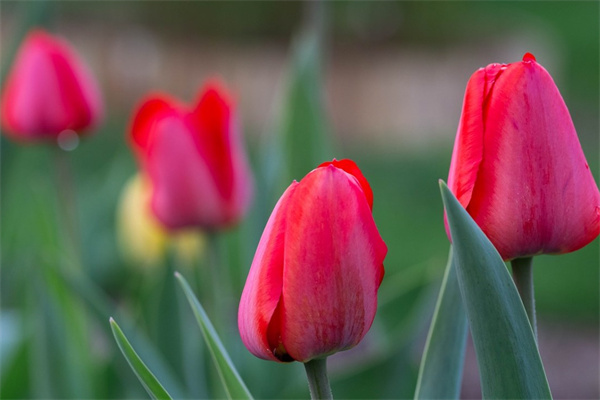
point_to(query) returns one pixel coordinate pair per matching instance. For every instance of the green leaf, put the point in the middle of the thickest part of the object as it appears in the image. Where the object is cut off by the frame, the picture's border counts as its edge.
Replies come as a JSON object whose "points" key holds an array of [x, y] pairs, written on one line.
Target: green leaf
{"points": [[232, 382], [300, 136], [146, 377], [304, 126], [507, 354], [443, 358]]}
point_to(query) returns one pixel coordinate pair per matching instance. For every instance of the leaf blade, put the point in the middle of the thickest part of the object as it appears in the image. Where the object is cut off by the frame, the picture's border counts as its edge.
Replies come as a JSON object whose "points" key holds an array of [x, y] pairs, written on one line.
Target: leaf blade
{"points": [[232, 382], [146, 377], [441, 368], [507, 355], [304, 121]]}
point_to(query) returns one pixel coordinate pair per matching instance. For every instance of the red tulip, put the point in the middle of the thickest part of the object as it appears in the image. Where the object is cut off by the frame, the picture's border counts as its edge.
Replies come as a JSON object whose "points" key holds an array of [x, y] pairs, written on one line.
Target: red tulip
{"points": [[48, 91], [312, 287], [518, 167], [194, 158]]}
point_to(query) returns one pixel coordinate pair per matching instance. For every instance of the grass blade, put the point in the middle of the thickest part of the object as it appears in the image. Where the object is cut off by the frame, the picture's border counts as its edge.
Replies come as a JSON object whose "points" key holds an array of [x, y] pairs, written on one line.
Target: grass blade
{"points": [[507, 354], [443, 358], [232, 382], [146, 377]]}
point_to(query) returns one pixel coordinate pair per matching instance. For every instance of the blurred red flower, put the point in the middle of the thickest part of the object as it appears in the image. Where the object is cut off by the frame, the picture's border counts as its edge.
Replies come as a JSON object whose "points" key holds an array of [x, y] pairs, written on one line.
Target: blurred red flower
{"points": [[49, 90], [194, 158]]}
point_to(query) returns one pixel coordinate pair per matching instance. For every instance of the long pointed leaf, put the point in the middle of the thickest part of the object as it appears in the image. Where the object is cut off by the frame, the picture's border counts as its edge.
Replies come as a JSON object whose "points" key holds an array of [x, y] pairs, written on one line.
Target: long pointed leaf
{"points": [[507, 354], [304, 124], [300, 134], [443, 358], [232, 382], [146, 377]]}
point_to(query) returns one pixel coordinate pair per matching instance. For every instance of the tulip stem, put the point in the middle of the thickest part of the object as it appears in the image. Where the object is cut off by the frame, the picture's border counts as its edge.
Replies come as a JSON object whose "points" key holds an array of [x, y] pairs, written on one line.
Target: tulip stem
{"points": [[318, 382], [67, 207], [219, 281], [522, 269]]}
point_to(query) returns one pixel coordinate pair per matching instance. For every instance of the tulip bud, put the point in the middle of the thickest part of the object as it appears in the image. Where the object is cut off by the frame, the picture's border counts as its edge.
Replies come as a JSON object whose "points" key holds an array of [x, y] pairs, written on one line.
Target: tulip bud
{"points": [[517, 165], [48, 91], [194, 158], [312, 287]]}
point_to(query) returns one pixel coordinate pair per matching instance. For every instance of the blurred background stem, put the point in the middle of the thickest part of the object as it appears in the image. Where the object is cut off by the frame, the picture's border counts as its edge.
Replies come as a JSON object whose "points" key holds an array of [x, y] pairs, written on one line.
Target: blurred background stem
{"points": [[67, 208], [522, 269], [215, 294], [71, 322], [221, 306]]}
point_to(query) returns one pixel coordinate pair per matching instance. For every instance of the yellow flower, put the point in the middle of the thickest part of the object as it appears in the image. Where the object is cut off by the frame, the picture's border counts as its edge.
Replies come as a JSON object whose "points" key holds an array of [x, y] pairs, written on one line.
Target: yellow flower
{"points": [[142, 239]]}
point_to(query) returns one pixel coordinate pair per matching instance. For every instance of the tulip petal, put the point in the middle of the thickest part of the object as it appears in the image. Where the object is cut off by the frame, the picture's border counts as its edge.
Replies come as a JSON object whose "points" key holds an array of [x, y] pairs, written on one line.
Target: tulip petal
{"points": [[184, 193], [243, 181], [332, 266], [212, 119], [219, 143], [262, 291], [350, 167], [78, 90], [535, 192], [468, 145], [153, 108]]}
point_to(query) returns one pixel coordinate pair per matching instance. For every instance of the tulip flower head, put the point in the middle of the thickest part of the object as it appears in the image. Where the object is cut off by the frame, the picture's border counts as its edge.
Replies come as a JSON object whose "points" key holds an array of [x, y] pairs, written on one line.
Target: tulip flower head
{"points": [[194, 158], [517, 165], [49, 91], [312, 287]]}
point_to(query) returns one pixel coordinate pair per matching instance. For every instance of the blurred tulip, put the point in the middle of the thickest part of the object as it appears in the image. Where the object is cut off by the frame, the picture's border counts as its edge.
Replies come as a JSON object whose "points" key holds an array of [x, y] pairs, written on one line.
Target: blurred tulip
{"points": [[142, 239], [517, 165], [194, 158], [312, 287], [49, 90]]}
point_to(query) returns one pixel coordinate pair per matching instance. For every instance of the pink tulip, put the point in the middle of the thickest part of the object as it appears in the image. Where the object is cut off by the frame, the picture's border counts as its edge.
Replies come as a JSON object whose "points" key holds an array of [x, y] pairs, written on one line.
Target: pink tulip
{"points": [[194, 158], [518, 167], [312, 287], [49, 90]]}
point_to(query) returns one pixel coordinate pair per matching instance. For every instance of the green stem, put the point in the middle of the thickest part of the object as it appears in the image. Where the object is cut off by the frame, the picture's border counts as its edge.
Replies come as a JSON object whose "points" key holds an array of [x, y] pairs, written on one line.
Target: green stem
{"points": [[220, 280], [67, 207], [213, 265], [193, 354], [218, 290], [77, 366], [522, 269], [318, 382]]}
